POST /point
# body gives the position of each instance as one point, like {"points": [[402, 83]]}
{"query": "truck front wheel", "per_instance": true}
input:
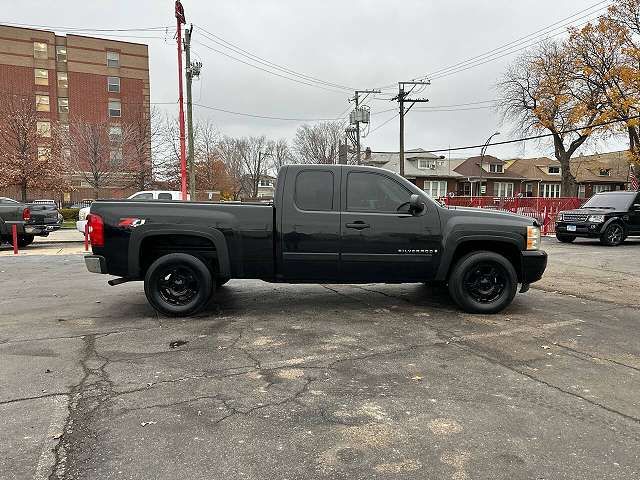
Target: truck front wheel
{"points": [[483, 282], [178, 284]]}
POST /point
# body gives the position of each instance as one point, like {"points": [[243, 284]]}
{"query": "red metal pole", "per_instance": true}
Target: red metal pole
{"points": [[14, 234], [86, 237], [183, 151]]}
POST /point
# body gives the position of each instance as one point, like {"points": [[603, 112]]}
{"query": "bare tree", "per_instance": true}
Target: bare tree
{"points": [[318, 143], [229, 150], [211, 171], [541, 92], [142, 151], [96, 153], [256, 153], [30, 154], [282, 154]]}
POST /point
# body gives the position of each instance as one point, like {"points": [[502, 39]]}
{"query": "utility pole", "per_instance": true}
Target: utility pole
{"points": [[180, 20], [360, 116], [402, 98], [193, 70]]}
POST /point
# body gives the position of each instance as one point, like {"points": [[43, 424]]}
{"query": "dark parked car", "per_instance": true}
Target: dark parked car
{"points": [[31, 220], [337, 224], [609, 216]]}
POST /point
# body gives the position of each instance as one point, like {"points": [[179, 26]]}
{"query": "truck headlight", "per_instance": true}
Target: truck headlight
{"points": [[596, 218], [561, 217], [533, 238]]}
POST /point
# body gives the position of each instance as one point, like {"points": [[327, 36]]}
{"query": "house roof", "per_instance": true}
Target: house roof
{"points": [[391, 161], [587, 168], [534, 168], [471, 168]]}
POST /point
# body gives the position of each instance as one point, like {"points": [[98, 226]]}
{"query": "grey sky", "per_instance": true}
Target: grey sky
{"points": [[356, 43]]}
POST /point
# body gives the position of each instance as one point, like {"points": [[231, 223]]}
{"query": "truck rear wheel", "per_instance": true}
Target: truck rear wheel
{"points": [[483, 282], [178, 284]]}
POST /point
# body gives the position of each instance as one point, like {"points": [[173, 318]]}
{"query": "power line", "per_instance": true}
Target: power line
{"points": [[268, 117], [267, 71], [263, 61], [493, 54], [78, 29], [535, 137]]}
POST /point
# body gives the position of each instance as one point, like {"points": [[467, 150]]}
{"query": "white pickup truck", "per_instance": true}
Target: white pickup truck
{"points": [[81, 224]]}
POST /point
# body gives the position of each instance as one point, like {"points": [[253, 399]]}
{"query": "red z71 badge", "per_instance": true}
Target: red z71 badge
{"points": [[131, 222]]}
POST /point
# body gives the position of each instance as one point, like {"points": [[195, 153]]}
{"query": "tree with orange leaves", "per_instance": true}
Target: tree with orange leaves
{"points": [[540, 91]]}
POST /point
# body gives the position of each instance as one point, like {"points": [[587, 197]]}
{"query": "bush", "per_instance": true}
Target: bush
{"points": [[69, 213]]}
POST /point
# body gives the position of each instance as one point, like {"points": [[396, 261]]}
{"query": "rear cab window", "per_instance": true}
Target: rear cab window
{"points": [[314, 191], [165, 196]]}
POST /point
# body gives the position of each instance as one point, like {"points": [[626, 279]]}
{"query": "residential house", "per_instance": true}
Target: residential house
{"points": [[432, 173], [541, 176], [488, 176], [266, 187], [601, 172]]}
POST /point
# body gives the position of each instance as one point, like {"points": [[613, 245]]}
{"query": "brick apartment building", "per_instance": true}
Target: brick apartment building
{"points": [[75, 77]]}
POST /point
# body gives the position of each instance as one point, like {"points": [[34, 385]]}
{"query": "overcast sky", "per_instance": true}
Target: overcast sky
{"points": [[356, 43]]}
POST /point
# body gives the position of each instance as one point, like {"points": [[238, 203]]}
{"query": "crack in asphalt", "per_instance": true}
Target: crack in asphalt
{"points": [[36, 397], [86, 398], [580, 354]]}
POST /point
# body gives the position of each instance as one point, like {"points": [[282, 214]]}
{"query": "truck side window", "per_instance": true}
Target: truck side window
{"points": [[371, 192], [143, 196], [314, 190]]}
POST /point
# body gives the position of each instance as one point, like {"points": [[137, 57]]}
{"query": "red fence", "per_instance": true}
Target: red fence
{"points": [[544, 210]]}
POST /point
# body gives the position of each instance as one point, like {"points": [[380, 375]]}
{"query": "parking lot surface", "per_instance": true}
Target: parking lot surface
{"points": [[322, 381]]}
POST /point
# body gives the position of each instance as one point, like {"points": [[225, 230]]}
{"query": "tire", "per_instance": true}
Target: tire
{"points": [[613, 235], [565, 238], [494, 281], [23, 240], [178, 284]]}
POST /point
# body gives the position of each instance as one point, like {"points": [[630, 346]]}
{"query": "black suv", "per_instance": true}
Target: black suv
{"points": [[609, 216]]}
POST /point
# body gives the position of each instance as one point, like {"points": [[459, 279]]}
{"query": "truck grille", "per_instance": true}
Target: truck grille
{"points": [[574, 217]]}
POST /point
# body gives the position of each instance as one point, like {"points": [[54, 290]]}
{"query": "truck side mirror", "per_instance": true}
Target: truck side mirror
{"points": [[415, 204]]}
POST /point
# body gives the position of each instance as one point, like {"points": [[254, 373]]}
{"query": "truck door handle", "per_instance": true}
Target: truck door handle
{"points": [[359, 225]]}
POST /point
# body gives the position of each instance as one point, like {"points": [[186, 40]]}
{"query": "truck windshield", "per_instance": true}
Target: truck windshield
{"points": [[611, 201]]}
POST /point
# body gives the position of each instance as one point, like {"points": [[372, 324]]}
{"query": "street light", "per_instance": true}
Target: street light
{"points": [[482, 152]]}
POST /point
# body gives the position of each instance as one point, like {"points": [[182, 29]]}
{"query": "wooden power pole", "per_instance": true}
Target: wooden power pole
{"points": [[402, 98]]}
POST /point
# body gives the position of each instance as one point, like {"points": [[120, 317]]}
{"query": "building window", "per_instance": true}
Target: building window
{"points": [[465, 189], [435, 189], [44, 153], [116, 157], [63, 105], [115, 108], [581, 191], [503, 189], [42, 103], [40, 50], [43, 128], [63, 80], [424, 164], [113, 84], [554, 170], [61, 53], [115, 133], [265, 183], [113, 59], [601, 188], [605, 172], [551, 190], [495, 168], [528, 190], [42, 76]]}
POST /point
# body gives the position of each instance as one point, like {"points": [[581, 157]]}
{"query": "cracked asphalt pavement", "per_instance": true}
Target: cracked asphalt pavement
{"points": [[321, 381]]}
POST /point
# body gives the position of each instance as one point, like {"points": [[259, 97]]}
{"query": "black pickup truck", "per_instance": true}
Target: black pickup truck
{"points": [[327, 224], [31, 220], [608, 216]]}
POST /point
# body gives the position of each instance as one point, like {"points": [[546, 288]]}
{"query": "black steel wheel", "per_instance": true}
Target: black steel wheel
{"points": [[483, 282], [613, 235], [178, 284]]}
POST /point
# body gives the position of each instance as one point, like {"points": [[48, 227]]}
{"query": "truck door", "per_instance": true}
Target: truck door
{"points": [[380, 239], [634, 216], [310, 228]]}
